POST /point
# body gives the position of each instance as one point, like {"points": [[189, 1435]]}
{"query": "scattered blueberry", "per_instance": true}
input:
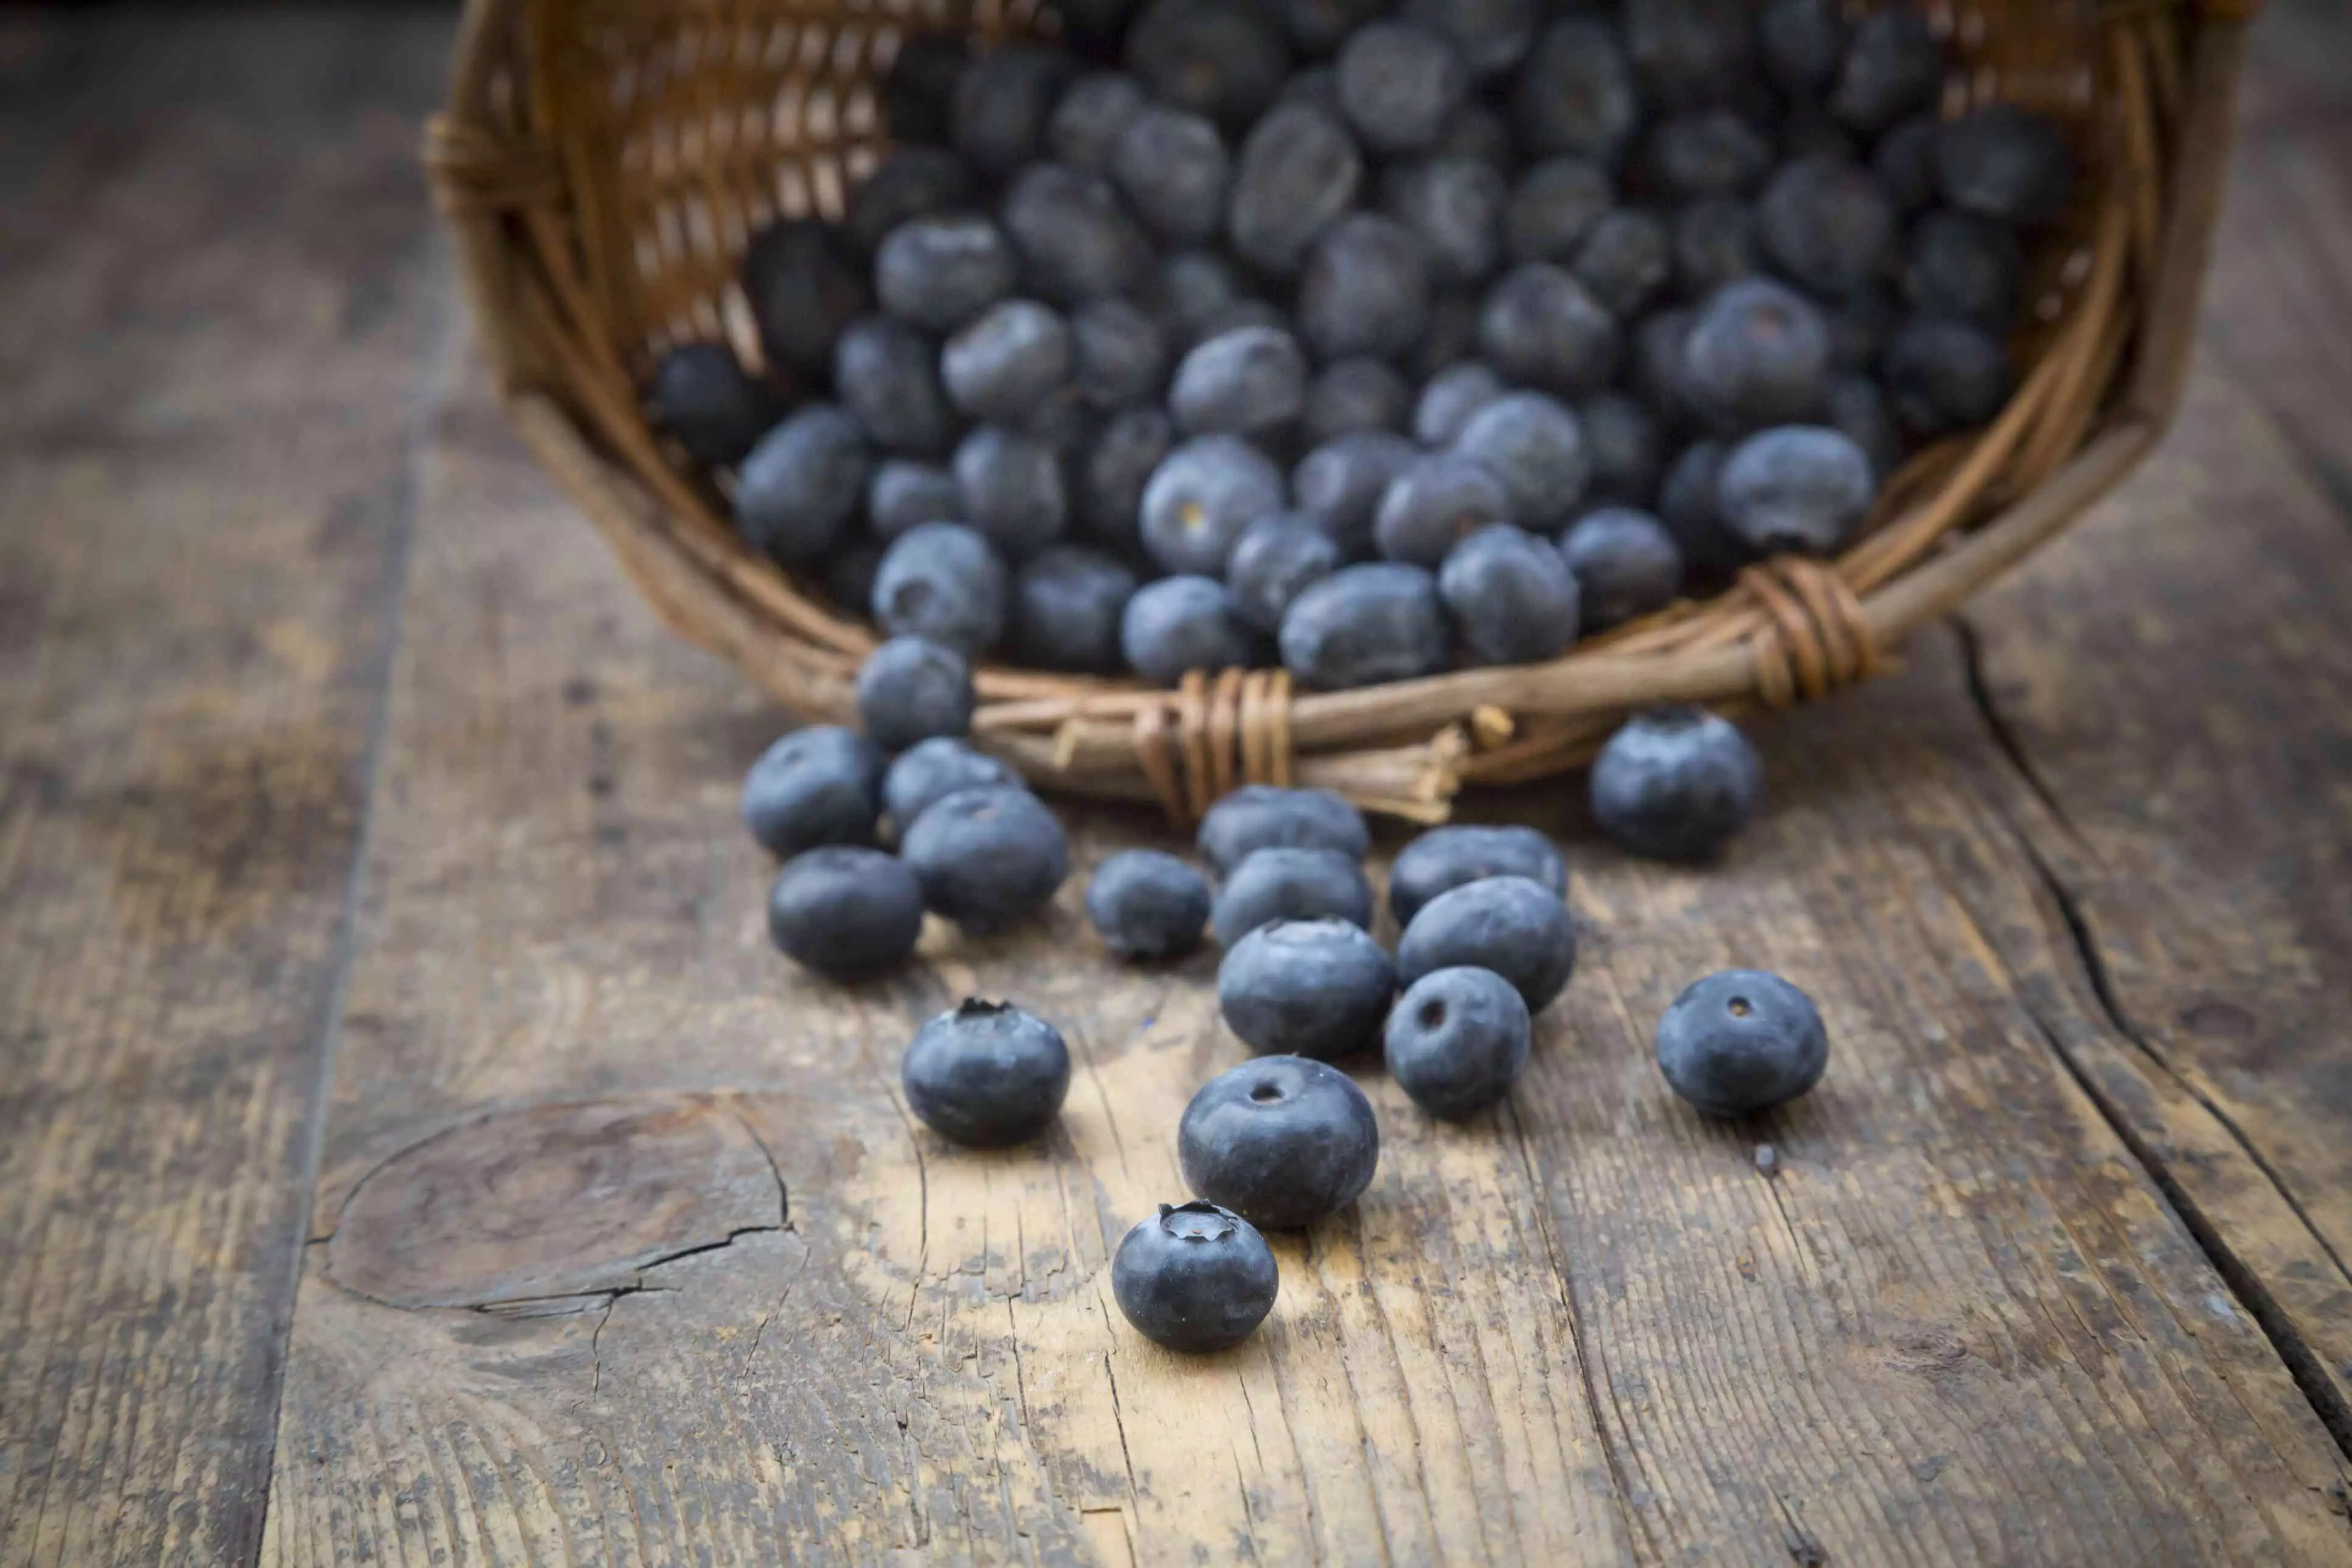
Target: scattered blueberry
{"points": [[1366, 625], [1458, 1040], [1180, 624], [1067, 605], [921, 778], [715, 408], [987, 1076], [801, 484], [1511, 596], [1445, 858], [848, 914], [1677, 784], [1146, 904], [1196, 1279], [1437, 502], [941, 581], [1201, 497], [910, 690], [1260, 816], [1282, 1141], [1277, 558], [1514, 926], [812, 789], [1314, 988], [1626, 565], [988, 858], [1742, 1042], [1290, 884]]}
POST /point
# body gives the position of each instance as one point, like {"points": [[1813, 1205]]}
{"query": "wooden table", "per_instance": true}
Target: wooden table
{"points": [[411, 1150]]}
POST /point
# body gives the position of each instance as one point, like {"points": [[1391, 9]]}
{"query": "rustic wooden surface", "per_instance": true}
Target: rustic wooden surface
{"points": [[410, 1150]]}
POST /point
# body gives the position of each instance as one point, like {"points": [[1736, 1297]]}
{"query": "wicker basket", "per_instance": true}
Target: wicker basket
{"points": [[605, 162]]}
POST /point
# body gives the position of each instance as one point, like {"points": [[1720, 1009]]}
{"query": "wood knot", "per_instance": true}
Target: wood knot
{"points": [[475, 171], [1815, 638], [1212, 734]]}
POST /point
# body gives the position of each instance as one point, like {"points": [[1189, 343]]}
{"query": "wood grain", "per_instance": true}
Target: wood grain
{"points": [[219, 298]]}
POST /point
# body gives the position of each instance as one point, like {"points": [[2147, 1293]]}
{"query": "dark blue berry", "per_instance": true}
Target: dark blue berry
{"points": [[1704, 153], [1687, 505], [1535, 444], [1282, 1141], [988, 858], [1318, 86], [803, 287], [1626, 564], [1300, 172], [1223, 59], [1576, 94], [1314, 988], [904, 494], [1943, 375], [886, 374], [1091, 118], [1452, 335], [2007, 163], [1802, 43], [1180, 624], [1285, 884], [987, 1076], [1435, 504], [1656, 371], [1859, 325], [1004, 104], [1249, 382], [1118, 354], [1197, 1279], [1354, 394], [1365, 291], [1826, 224], [1714, 243], [910, 690], [802, 485], [1398, 86], [1277, 558], [1801, 488], [1905, 163], [1491, 35], [848, 913], [1201, 497], [1758, 354], [1625, 262], [711, 404], [1477, 131], [1175, 171], [1450, 399], [1689, 52], [1542, 328], [1458, 1040], [1075, 239], [1320, 27], [1146, 904], [941, 581], [1554, 207], [939, 271], [910, 183], [1340, 484], [1454, 207], [930, 772], [1859, 409], [1741, 1042], [849, 573], [1893, 67], [1512, 598], [1192, 290], [1366, 625], [920, 84], [1067, 603], [1445, 858], [1015, 491], [1516, 927], [1626, 448], [1117, 467], [1677, 784], [1260, 816], [1004, 365], [814, 788]]}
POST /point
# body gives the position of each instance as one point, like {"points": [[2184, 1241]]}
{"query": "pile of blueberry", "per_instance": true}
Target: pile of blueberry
{"points": [[1372, 337]]}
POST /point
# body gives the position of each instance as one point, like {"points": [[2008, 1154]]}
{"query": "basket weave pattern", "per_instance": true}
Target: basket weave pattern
{"points": [[606, 163]]}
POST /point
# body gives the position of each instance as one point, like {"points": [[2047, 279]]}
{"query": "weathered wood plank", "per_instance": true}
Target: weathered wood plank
{"points": [[220, 294]]}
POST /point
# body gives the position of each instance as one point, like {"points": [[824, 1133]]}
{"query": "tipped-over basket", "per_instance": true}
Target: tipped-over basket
{"points": [[606, 163]]}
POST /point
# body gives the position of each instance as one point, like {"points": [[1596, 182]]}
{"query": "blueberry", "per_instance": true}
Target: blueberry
{"points": [[1242, 314], [1479, 131], [1689, 52], [988, 858], [941, 581], [1452, 399], [1704, 153], [1892, 68], [1260, 817], [1858, 408], [919, 778], [848, 913], [1491, 35], [1181, 624], [1314, 988], [1656, 371], [1340, 483], [1117, 467], [717, 411], [1365, 291], [920, 84], [1320, 27], [803, 287], [1957, 265], [814, 788], [1741, 1042], [1626, 448], [1714, 243], [1808, 130], [1687, 505], [1197, 1279], [1677, 784], [887, 375], [1626, 262], [1201, 497], [1458, 1041], [1075, 239], [910, 690], [1800, 488], [1400, 85], [2005, 162], [941, 271], [1092, 116], [1445, 858], [987, 1076], [1283, 884], [1436, 503], [1758, 354], [1535, 444], [1802, 43], [1514, 926], [905, 494], [1004, 104], [1223, 59], [1366, 625], [1015, 492], [1244, 382], [1277, 558], [1173, 168], [1626, 564], [1825, 223], [1300, 172], [1282, 1141], [1354, 394], [802, 485], [1554, 207], [1859, 325], [1453, 207], [1905, 163], [1318, 86], [1542, 328], [1004, 365], [1943, 375], [1193, 288], [1452, 335], [1067, 602], [1065, 421], [1146, 904], [910, 183], [849, 573], [1576, 94], [1512, 598]]}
